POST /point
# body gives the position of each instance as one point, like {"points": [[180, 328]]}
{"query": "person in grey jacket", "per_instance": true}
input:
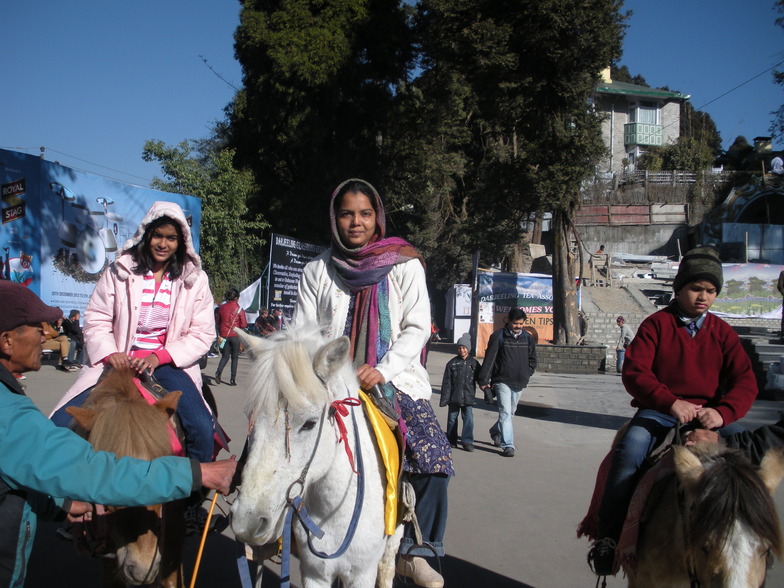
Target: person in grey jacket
{"points": [[458, 391], [48, 471], [624, 338], [510, 361]]}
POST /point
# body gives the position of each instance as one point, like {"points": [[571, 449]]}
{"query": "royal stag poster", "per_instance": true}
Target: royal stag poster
{"points": [[62, 227]]}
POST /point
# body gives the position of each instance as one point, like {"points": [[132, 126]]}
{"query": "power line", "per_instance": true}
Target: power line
{"points": [[44, 149], [741, 84], [204, 59]]}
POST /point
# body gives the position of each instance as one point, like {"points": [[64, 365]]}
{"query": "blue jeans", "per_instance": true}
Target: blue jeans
{"points": [[619, 355], [507, 405], [647, 430], [196, 420], [468, 424], [431, 511]]}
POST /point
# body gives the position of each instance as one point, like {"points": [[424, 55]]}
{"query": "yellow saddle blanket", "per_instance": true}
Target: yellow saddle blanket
{"points": [[390, 450]]}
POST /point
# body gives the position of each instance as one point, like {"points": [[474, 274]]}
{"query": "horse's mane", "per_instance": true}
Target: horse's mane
{"points": [[283, 371], [125, 424], [732, 491]]}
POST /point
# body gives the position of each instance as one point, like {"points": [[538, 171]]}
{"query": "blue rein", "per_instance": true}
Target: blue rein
{"points": [[295, 505]]}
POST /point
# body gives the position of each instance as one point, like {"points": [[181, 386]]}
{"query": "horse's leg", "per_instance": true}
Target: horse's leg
{"points": [[386, 567]]}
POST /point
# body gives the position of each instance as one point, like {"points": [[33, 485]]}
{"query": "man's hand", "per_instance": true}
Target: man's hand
{"points": [[710, 418], [218, 475], [701, 436], [684, 411]]}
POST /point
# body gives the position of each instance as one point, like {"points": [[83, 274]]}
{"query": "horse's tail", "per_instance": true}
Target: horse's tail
{"points": [[386, 567]]}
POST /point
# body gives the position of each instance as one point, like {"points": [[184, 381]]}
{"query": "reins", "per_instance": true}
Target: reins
{"points": [[295, 504]]}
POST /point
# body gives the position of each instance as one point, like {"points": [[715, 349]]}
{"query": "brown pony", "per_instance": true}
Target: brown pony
{"points": [[714, 523], [146, 541]]}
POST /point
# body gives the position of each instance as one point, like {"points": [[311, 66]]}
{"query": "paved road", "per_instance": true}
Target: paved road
{"points": [[511, 521]]}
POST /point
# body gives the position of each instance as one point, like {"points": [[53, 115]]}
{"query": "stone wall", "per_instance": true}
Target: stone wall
{"points": [[602, 330], [570, 359]]}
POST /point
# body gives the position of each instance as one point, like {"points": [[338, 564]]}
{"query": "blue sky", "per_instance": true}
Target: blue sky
{"points": [[92, 80]]}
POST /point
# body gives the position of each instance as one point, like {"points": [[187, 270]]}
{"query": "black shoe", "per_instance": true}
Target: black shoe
{"points": [[468, 447], [196, 517], [217, 378], [62, 368], [232, 383], [496, 439], [601, 557], [508, 452]]}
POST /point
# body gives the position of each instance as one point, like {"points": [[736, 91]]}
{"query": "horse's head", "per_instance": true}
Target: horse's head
{"points": [[732, 529], [117, 419], [296, 376]]}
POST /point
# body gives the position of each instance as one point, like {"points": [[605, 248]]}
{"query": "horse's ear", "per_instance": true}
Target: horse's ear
{"points": [[251, 342], [84, 417], [772, 468], [687, 466], [168, 403], [331, 357]]}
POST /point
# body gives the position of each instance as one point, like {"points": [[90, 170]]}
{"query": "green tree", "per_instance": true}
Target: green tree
{"points": [[507, 85], [777, 126], [230, 236], [319, 81]]}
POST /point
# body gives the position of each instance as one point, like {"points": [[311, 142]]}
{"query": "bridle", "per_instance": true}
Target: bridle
{"points": [[295, 503]]}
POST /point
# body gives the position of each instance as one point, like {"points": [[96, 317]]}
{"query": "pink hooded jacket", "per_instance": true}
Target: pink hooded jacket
{"points": [[112, 314]]}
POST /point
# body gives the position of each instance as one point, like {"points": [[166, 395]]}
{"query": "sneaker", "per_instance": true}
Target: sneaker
{"points": [[601, 557], [496, 437], [20, 376], [508, 452], [212, 354], [196, 517], [419, 571], [468, 447], [62, 368]]}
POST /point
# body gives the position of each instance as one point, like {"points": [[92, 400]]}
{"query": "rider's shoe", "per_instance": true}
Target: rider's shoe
{"points": [[419, 571], [196, 519], [601, 557]]}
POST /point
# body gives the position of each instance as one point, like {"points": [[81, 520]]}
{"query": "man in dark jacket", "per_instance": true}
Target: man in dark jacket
{"points": [[510, 360], [73, 331], [458, 390]]}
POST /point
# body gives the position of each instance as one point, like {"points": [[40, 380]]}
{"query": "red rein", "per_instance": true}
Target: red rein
{"points": [[341, 410]]}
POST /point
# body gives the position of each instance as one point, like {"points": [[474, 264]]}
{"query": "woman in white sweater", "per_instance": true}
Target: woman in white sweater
{"points": [[372, 289]]}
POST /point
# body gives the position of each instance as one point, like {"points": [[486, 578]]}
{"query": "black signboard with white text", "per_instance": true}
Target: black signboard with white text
{"points": [[288, 257]]}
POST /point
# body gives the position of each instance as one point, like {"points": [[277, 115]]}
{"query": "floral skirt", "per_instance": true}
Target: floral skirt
{"points": [[427, 449]]}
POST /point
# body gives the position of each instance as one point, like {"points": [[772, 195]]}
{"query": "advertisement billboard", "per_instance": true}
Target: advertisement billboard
{"points": [[288, 257], [61, 227], [499, 292]]}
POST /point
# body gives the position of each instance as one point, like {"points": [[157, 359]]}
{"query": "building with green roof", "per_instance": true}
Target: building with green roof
{"points": [[636, 117]]}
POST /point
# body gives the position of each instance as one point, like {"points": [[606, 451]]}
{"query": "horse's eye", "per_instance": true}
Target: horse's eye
{"points": [[308, 425]]}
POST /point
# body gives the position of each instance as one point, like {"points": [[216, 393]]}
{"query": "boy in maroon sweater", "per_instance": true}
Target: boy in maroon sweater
{"points": [[684, 365]]}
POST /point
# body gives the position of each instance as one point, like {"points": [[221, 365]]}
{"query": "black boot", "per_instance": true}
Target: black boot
{"points": [[217, 378]]}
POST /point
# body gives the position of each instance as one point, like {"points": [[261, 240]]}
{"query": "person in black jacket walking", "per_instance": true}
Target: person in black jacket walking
{"points": [[510, 361], [458, 390]]}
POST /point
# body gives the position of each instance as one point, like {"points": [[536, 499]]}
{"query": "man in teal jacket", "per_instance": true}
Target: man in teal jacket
{"points": [[49, 471]]}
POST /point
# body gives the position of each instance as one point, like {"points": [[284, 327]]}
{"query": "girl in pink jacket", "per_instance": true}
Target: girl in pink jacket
{"points": [[152, 311]]}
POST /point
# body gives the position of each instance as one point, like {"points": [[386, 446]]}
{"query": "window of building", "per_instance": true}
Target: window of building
{"points": [[646, 113]]}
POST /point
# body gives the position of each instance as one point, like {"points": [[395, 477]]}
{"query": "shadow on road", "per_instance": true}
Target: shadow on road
{"points": [[570, 417]]}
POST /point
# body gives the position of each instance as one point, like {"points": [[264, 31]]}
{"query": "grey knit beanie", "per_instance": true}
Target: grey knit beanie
{"points": [[465, 341], [701, 263]]}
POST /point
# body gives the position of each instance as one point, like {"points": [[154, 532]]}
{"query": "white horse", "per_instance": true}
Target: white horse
{"points": [[296, 377]]}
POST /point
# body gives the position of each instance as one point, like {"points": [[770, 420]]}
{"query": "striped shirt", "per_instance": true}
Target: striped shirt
{"points": [[157, 300]]}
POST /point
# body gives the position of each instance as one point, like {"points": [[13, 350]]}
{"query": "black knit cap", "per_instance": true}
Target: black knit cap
{"points": [[701, 263]]}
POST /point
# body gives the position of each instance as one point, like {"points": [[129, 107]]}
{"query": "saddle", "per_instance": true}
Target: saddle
{"points": [[391, 445]]}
